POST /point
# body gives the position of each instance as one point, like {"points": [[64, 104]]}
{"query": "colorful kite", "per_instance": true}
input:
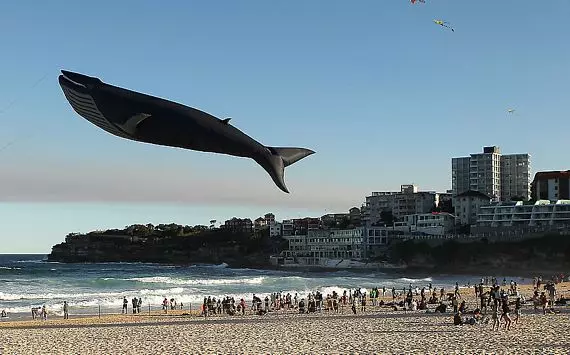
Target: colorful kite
{"points": [[414, 1], [444, 24]]}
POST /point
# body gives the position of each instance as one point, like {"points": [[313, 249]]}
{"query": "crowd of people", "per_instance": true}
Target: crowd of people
{"points": [[496, 303]]}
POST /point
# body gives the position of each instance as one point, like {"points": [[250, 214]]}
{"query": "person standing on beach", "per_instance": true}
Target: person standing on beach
{"points": [[354, 305], [65, 310], [125, 304], [44, 312]]}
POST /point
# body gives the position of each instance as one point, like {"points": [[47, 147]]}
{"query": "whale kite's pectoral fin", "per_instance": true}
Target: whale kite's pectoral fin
{"points": [[226, 120], [130, 126]]}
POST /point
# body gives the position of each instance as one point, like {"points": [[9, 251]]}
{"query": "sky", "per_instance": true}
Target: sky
{"points": [[382, 94]]}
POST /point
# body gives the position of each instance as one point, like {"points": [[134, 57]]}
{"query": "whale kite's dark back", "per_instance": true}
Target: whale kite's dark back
{"points": [[144, 118]]}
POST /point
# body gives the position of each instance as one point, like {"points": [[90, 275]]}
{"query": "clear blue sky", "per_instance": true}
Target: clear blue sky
{"points": [[381, 93]]}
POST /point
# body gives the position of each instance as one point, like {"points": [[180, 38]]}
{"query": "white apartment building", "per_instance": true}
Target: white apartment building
{"points": [[320, 245], [405, 202], [501, 177], [434, 224], [543, 213], [467, 205]]}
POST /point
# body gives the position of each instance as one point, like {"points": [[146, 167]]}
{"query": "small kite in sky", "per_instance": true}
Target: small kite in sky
{"points": [[511, 110], [444, 24], [414, 1]]}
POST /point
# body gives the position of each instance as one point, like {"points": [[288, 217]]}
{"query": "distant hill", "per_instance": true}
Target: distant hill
{"points": [[170, 244]]}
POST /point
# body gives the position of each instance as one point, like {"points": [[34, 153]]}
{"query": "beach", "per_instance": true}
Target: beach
{"points": [[378, 330]]}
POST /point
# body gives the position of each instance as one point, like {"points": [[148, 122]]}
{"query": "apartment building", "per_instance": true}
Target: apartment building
{"points": [[502, 177], [551, 185], [405, 202], [543, 213], [318, 246], [239, 225], [299, 226], [467, 205]]}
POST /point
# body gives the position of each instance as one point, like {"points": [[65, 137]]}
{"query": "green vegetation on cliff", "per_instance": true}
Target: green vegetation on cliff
{"points": [[549, 252], [169, 243]]}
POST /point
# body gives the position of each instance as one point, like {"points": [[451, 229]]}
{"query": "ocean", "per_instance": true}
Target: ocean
{"points": [[28, 281]]}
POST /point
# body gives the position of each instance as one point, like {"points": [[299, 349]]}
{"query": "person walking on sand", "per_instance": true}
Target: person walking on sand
{"points": [[517, 309], [496, 321], [44, 312], [125, 304], [65, 310]]}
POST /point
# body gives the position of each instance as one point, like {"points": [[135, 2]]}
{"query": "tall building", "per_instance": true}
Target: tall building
{"points": [[515, 177], [551, 185], [502, 177]]}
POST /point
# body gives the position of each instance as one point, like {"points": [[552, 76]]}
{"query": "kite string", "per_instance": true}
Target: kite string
{"points": [[11, 103]]}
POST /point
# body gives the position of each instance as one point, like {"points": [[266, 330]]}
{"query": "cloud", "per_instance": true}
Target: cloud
{"points": [[76, 181]]}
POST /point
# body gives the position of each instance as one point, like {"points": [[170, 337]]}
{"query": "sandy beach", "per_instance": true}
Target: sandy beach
{"points": [[378, 330]]}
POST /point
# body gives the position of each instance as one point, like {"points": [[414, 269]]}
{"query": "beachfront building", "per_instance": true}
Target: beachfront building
{"points": [[268, 221], [437, 224], [551, 185], [238, 225], [319, 247], [467, 205], [543, 214], [502, 177], [405, 202], [299, 226]]}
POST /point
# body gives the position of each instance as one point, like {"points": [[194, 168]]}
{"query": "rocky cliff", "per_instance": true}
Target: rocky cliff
{"points": [[548, 253], [155, 245]]}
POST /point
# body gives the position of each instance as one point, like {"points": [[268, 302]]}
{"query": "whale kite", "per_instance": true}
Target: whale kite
{"points": [[144, 118]]}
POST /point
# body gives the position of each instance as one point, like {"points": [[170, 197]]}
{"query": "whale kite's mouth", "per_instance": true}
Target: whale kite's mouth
{"points": [[70, 81], [77, 80]]}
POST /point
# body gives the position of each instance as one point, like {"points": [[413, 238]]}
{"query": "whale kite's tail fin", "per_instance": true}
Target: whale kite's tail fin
{"points": [[281, 158], [291, 155]]}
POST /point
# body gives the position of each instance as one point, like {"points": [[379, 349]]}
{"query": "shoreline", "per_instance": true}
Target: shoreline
{"points": [[377, 330]]}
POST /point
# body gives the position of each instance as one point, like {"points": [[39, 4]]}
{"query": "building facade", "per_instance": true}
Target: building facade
{"points": [[467, 205], [551, 185], [502, 177], [543, 213], [515, 177], [319, 245], [405, 202], [239, 225], [299, 226]]}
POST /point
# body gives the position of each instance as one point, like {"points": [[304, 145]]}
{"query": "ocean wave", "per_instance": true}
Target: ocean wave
{"points": [[10, 268], [425, 279], [179, 281], [65, 296]]}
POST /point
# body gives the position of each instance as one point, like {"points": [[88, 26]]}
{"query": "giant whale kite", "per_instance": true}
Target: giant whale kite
{"points": [[144, 118]]}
